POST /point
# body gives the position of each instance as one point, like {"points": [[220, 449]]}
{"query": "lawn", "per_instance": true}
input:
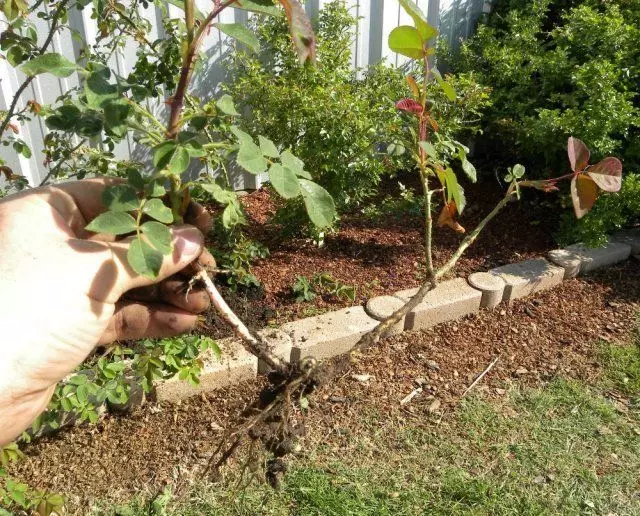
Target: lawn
{"points": [[561, 448]]}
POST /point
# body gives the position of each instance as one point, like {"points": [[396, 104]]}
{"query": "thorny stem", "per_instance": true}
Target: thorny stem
{"points": [[54, 26], [194, 41], [253, 344], [57, 166]]}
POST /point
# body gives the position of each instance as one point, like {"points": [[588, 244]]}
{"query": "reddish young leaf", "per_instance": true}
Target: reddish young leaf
{"points": [[410, 106], [301, 31], [447, 217], [584, 192], [607, 174], [13, 128], [578, 154], [414, 87]]}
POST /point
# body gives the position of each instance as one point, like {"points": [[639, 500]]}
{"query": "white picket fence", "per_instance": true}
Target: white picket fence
{"points": [[376, 20]]}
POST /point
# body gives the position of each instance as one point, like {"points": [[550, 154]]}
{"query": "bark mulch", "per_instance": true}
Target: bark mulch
{"points": [[553, 333]]}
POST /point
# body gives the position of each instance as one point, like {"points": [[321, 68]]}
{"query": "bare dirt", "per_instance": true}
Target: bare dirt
{"points": [[552, 333]]}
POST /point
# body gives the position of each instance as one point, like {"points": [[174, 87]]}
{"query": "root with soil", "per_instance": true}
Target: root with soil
{"points": [[274, 421]]}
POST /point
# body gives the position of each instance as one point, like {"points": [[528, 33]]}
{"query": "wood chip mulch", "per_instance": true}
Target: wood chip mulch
{"points": [[553, 333]]}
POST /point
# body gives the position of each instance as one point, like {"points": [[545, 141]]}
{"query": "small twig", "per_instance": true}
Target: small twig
{"points": [[410, 396], [477, 380]]}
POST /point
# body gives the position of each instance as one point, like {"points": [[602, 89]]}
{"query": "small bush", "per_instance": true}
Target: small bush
{"points": [[321, 113], [559, 69]]}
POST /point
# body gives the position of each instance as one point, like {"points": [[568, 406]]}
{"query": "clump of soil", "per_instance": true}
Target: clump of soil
{"points": [[552, 333]]}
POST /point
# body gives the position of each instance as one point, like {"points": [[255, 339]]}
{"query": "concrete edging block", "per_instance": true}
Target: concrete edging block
{"points": [[449, 300], [491, 286], [234, 366], [524, 278], [569, 261], [595, 258], [329, 334], [631, 237], [279, 344], [381, 307]]}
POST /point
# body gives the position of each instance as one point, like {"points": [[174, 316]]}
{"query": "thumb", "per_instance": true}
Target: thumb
{"points": [[188, 243]]}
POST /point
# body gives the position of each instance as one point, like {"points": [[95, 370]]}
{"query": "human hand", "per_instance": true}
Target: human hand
{"points": [[63, 291]]}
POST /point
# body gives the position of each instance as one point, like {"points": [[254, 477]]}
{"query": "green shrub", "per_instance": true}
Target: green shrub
{"points": [[321, 113], [610, 213], [559, 69]]}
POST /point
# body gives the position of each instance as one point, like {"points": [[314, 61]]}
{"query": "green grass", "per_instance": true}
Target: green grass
{"points": [[622, 366], [561, 449]]}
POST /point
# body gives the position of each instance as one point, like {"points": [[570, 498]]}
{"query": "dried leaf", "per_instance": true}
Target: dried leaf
{"points": [[410, 106], [607, 174], [578, 154], [584, 192], [301, 30], [415, 89], [447, 217]]}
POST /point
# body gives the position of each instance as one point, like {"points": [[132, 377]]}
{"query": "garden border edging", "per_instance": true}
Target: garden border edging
{"points": [[333, 333]]}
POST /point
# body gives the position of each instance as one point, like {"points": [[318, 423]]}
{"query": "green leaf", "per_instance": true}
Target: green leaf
{"points": [[295, 164], [64, 118], [14, 8], [195, 149], [429, 149], [232, 215], [159, 236], [179, 160], [454, 190], [144, 259], [98, 90], [424, 28], [284, 181], [395, 149], [162, 153], [120, 198], [219, 194], [52, 63], [15, 56], [113, 223], [155, 189], [319, 203], [155, 208], [240, 33], [249, 154], [470, 170], [258, 6], [116, 113], [406, 40], [444, 85], [225, 104], [135, 179], [268, 148], [518, 171]]}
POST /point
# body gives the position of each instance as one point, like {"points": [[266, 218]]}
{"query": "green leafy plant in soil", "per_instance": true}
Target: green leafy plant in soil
{"points": [[323, 283], [558, 69]]}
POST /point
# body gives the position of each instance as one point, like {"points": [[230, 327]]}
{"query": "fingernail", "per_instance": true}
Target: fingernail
{"points": [[188, 242]]}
